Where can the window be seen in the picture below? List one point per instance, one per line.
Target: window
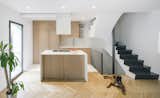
(16, 39)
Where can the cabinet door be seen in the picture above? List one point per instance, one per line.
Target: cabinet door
(74, 67)
(40, 39)
(75, 29)
(35, 42)
(53, 67)
(53, 39)
(43, 36)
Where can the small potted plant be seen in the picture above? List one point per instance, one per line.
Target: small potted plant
(9, 61)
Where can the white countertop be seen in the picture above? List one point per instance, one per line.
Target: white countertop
(51, 52)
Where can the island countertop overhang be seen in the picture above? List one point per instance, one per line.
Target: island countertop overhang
(71, 52)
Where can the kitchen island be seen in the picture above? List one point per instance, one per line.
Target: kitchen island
(64, 65)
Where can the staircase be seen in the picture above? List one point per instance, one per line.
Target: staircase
(134, 66)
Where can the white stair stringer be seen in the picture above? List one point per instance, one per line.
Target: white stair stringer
(123, 66)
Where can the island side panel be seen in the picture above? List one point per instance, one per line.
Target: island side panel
(52, 67)
(74, 67)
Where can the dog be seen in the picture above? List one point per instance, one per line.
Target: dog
(116, 81)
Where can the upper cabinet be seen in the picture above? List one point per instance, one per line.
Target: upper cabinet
(75, 31)
(63, 24)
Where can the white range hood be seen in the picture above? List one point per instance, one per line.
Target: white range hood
(63, 24)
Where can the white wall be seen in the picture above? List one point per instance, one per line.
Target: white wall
(105, 23)
(140, 32)
(9, 14)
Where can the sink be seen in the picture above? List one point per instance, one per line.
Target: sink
(60, 50)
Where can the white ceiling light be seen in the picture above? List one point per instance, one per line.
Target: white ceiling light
(93, 6)
(62, 6)
(28, 7)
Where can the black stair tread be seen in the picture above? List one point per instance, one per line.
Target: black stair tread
(133, 60)
(121, 47)
(130, 64)
(134, 63)
(143, 70)
(124, 52)
(128, 55)
(143, 75)
(146, 73)
(139, 67)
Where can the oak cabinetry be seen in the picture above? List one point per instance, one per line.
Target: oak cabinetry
(86, 50)
(44, 37)
(53, 68)
(64, 66)
(75, 30)
(53, 39)
(74, 67)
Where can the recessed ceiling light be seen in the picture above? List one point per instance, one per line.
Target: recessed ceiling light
(28, 7)
(93, 6)
(62, 6)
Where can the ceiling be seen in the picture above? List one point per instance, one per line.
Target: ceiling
(75, 6)
(80, 6)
